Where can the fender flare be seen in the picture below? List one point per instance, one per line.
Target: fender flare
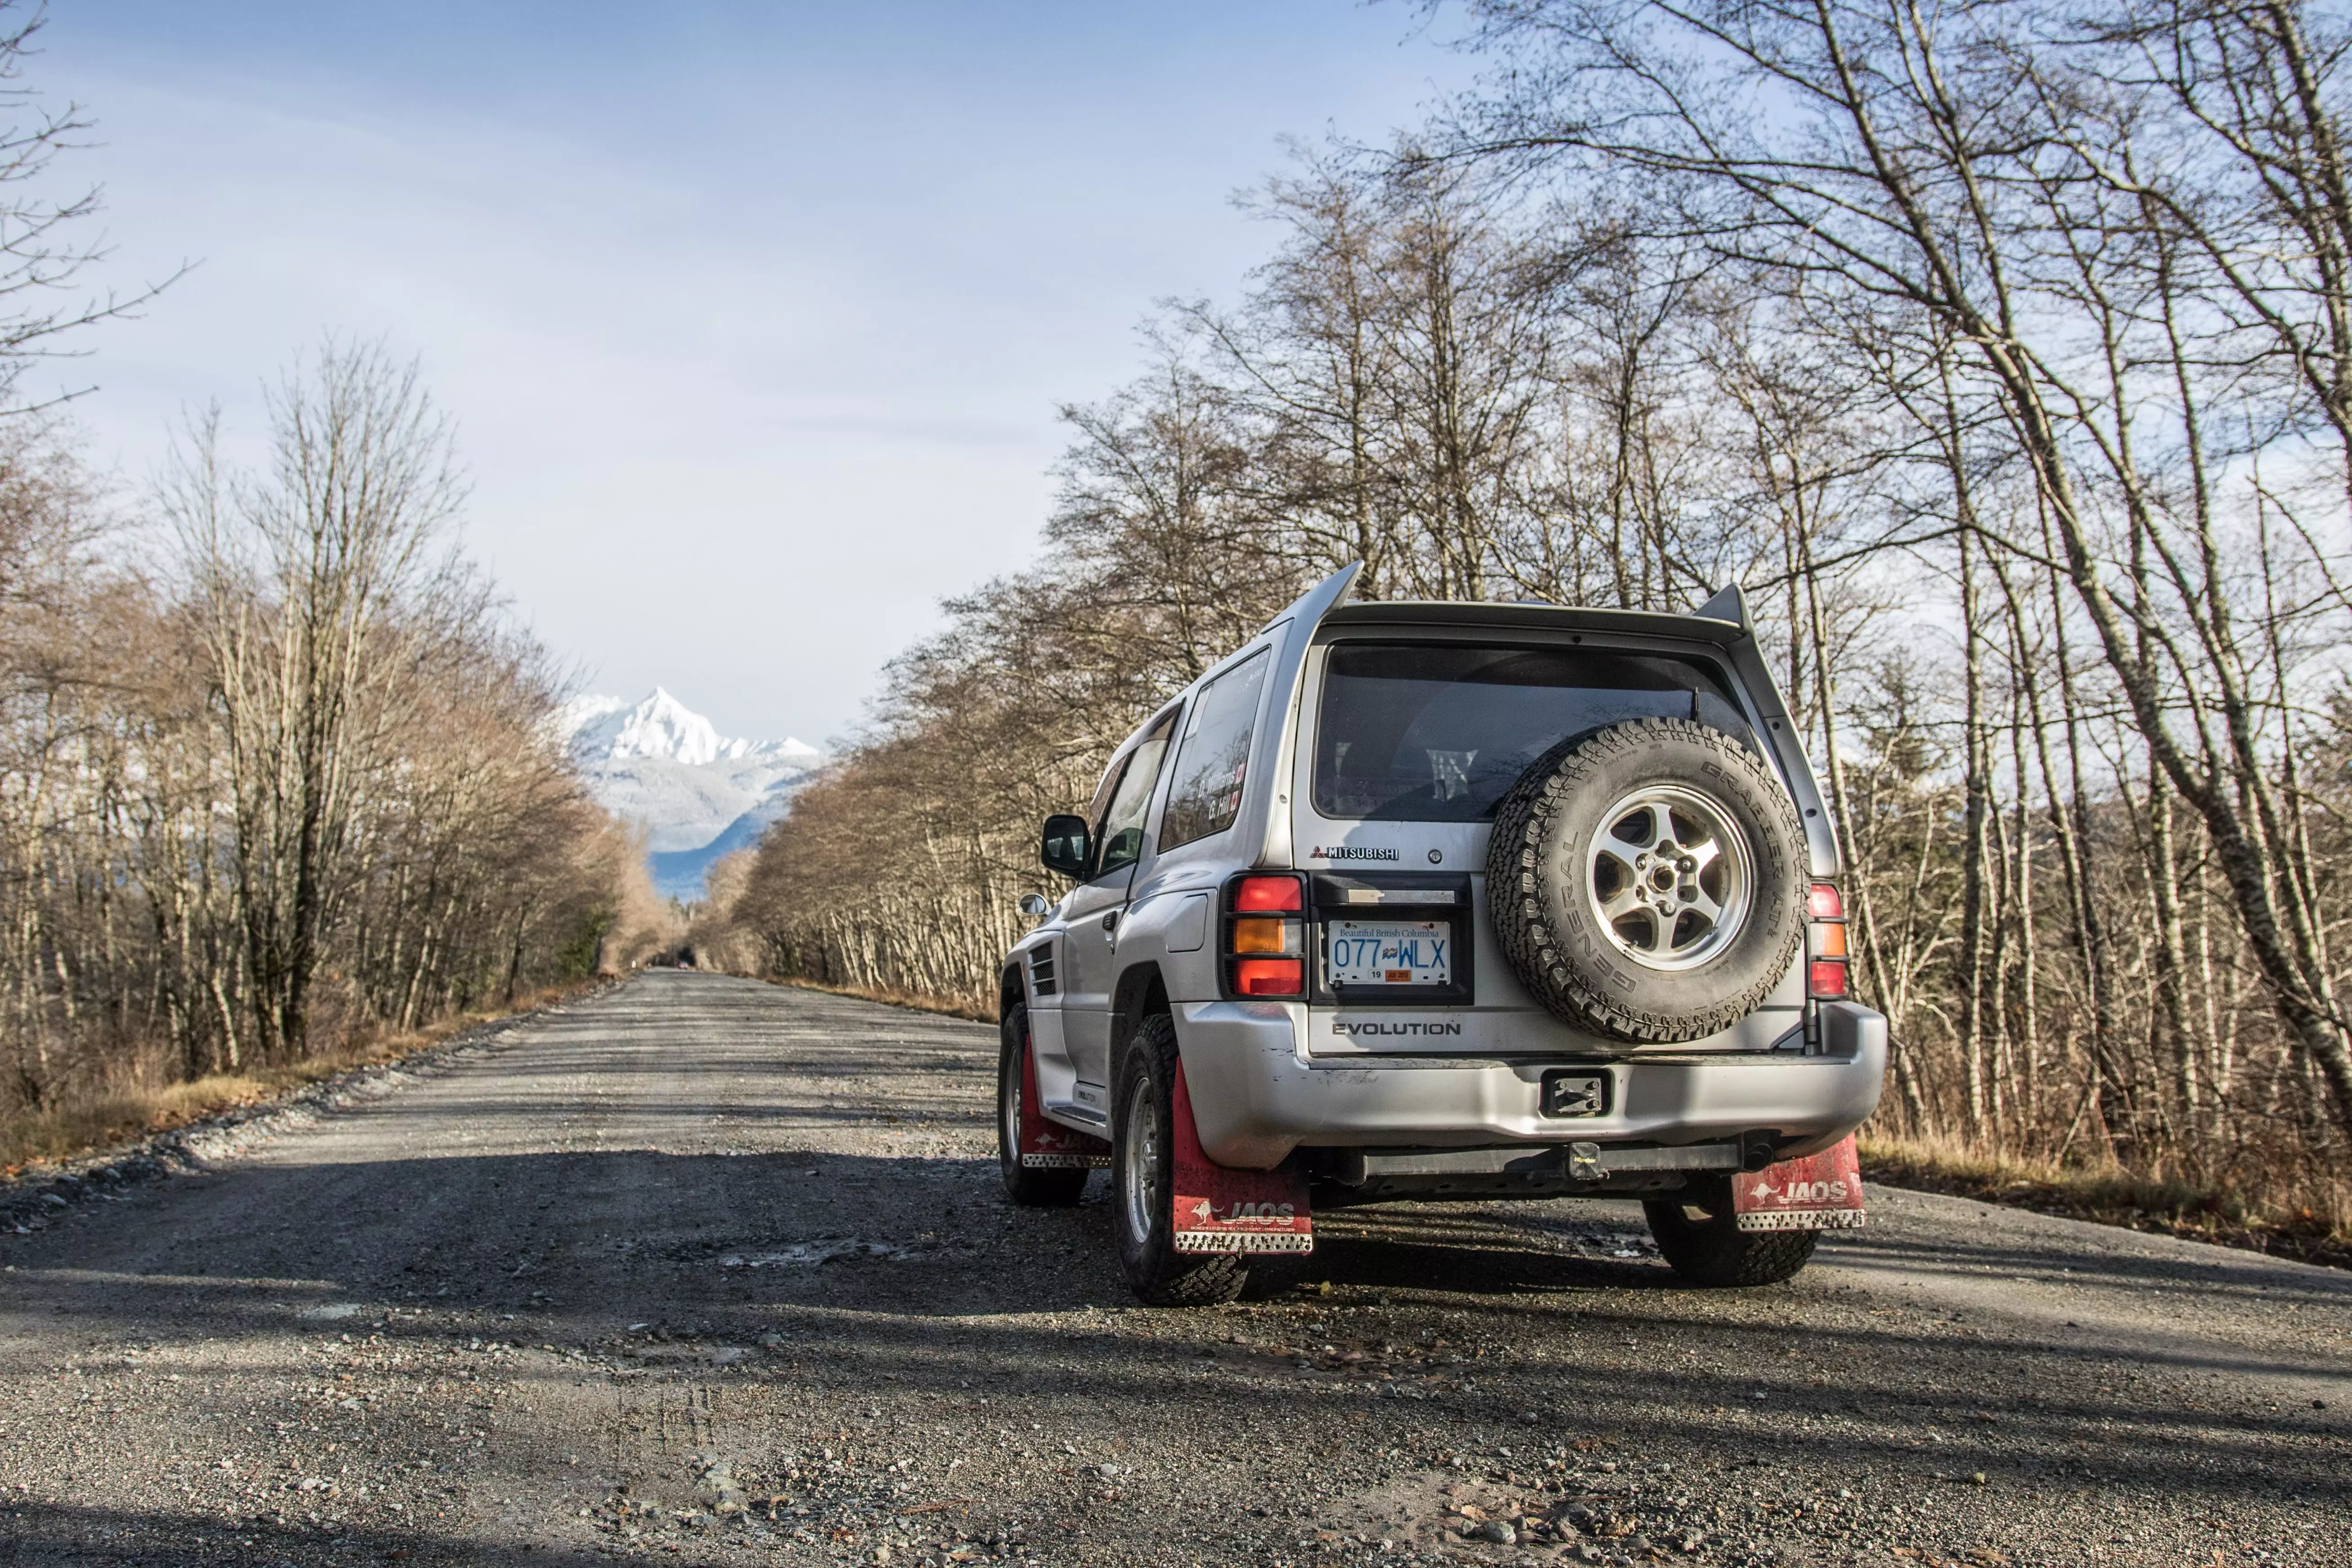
(1139, 993)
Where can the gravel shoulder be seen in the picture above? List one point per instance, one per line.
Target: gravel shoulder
(705, 1271)
(29, 1200)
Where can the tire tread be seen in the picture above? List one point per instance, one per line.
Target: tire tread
(1718, 1254)
(1159, 1274)
(1028, 1187)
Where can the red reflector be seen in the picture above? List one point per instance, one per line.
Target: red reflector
(1269, 976)
(1828, 977)
(1267, 895)
(1824, 903)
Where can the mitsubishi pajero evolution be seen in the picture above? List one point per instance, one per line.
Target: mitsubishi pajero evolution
(1447, 901)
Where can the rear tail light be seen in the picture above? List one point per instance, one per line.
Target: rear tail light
(1269, 895)
(1825, 970)
(1270, 978)
(1265, 936)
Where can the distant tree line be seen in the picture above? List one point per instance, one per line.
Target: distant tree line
(2003, 350)
(276, 772)
(287, 783)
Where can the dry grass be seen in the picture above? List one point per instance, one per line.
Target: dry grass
(2315, 1227)
(118, 1116)
(139, 1107)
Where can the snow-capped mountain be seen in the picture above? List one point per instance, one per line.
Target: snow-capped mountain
(698, 793)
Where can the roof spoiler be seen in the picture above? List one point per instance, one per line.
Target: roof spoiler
(1729, 604)
(1308, 607)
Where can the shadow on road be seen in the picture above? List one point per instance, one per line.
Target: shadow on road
(859, 1272)
(703, 1210)
(64, 1537)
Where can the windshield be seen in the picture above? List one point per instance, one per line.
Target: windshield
(1439, 731)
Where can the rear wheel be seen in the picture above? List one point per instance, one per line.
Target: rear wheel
(1143, 1170)
(1699, 1235)
(1026, 1185)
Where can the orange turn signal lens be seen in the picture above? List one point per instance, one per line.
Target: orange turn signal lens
(1265, 936)
(1267, 896)
(1269, 977)
(1829, 940)
(1827, 977)
(1823, 903)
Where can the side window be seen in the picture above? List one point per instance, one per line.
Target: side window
(1212, 760)
(1119, 829)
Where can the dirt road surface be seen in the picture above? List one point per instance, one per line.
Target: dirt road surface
(703, 1270)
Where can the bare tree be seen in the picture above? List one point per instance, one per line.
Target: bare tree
(46, 244)
(1907, 156)
(308, 580)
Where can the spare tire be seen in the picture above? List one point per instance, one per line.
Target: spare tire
(1647, 881)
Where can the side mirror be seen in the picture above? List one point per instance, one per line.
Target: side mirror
(1064, 848)
(1035, 906)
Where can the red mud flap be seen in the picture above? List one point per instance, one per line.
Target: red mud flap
(1821, 1191)
(1047, 1145)
(1219, 1209)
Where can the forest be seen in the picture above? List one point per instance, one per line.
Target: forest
(2002, 351)
(276, 775)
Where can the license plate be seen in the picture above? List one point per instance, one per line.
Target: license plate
(1391, 952)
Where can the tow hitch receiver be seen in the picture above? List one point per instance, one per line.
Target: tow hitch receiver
(1219, 1209)
(1049, 1146)
(1821, 1191)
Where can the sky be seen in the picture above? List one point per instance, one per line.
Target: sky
(754, 319)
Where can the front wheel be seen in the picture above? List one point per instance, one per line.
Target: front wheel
(1698, 1233)
(1029, 1185)
(1143, 1171)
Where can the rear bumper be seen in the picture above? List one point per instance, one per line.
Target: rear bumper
(1255, 1098)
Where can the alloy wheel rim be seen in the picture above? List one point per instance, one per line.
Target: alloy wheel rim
(1670, 877)
(1142, 1160)
(1011, 1130)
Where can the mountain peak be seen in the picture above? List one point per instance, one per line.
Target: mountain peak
(658, 763)
(662, 726)
(611, 729)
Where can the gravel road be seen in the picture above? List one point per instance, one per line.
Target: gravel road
(705, 1270)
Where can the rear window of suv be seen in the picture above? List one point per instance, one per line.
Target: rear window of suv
(1438, 732)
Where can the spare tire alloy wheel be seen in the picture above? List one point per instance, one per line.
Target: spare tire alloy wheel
(1646, 882)
(1669, 876)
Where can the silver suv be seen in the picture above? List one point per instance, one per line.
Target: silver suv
(1447, 901)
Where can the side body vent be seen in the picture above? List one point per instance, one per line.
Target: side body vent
(1041, 969)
